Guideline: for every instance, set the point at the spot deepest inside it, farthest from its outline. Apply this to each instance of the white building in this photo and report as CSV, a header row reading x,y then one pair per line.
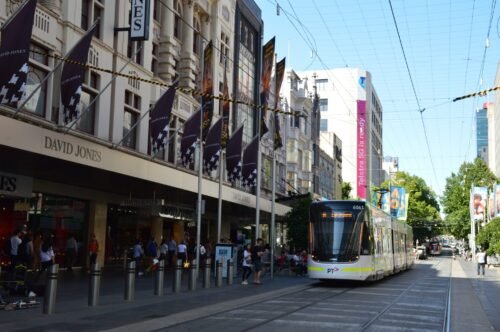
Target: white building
x,y
82,182
390,167
351,109
494,129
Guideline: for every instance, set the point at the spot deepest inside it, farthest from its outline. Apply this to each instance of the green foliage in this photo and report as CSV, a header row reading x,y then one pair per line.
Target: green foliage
x,y
489,237
346,190
456,196
297,221
423,207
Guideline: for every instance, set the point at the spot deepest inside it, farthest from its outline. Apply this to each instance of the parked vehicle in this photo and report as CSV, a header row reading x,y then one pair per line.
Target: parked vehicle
x,y
421,252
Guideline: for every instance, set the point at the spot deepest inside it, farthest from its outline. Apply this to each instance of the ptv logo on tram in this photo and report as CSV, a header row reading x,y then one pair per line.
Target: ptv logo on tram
x,y
332,270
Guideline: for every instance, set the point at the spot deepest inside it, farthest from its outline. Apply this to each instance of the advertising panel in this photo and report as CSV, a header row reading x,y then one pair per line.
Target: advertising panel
x,y
478,199
361,150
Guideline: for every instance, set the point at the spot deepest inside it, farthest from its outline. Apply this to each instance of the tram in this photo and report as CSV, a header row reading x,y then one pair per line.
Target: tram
x,y
353,240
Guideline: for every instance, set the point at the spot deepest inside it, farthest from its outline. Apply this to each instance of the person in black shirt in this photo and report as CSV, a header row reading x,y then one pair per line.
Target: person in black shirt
x,y
257,253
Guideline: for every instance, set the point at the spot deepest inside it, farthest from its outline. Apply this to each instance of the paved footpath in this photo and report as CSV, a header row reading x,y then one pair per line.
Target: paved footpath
x,y
475,300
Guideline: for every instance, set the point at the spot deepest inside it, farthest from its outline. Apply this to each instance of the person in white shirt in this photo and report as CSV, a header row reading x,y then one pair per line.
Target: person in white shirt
x,y
181,252
481,262
247,264
15,241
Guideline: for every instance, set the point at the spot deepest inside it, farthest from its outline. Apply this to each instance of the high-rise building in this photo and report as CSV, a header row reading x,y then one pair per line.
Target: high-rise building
x,y
390,167
482,133
351,109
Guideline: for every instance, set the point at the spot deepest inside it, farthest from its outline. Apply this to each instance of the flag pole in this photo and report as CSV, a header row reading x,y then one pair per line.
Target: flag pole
x,y
259,121
92,102
221,165
200,174
49,74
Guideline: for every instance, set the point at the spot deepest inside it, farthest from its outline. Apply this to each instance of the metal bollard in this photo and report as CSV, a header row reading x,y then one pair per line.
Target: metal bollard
x,y
49,301
218,274
230,272
160,278
130,281
176,285
192,276
206,276
94,285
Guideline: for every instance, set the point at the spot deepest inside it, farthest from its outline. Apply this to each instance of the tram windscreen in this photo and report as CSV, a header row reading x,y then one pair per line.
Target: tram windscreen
x,y
336,230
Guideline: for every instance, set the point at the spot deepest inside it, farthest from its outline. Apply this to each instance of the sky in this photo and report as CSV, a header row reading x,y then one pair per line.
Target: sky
x,y
444,42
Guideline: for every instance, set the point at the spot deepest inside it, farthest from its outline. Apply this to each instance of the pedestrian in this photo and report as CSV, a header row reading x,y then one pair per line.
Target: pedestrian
x,y
37,248
46,256
25,250
93,249
481,262
172,248
247,264
181,252
71,252
15,242
257,253
138,252
163,250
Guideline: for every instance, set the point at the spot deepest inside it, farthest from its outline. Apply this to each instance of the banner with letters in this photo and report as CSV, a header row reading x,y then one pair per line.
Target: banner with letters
x,y
398,201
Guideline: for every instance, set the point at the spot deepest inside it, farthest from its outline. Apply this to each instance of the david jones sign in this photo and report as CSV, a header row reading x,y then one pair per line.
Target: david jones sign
x,y
69,148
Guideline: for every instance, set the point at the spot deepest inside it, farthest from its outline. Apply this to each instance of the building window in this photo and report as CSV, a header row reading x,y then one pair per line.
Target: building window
x,y
197,38
91,11
130,117
176,69
133,51
224,47
321,84
177,19
157,10
38,69
154,59
323,105
323,126
90,90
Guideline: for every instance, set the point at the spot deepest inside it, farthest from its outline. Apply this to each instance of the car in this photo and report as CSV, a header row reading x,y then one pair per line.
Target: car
x,y
421,252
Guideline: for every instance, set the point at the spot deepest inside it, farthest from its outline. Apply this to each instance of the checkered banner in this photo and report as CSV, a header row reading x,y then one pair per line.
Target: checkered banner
x,y
249,170
212,150
233,156
189,136
14,53
72,76
160,120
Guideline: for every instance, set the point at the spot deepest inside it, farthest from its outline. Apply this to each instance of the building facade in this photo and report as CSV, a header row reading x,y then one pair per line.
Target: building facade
x,y
351,109
99,177
390,167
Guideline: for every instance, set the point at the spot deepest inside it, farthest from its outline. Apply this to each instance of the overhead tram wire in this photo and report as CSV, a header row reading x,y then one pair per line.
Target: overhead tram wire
x,y
416,97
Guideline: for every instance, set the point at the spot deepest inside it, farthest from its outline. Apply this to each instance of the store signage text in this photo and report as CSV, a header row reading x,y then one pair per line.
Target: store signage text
x,y
68,148
8,183
15,185
139,28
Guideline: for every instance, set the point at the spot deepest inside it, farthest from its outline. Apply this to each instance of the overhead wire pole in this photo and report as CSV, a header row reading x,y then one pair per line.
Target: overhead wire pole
x,y
221,173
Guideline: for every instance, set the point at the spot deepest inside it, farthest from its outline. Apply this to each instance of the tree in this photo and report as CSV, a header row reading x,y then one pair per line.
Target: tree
x,y
423,207
346,190
489,237
456,196
297,221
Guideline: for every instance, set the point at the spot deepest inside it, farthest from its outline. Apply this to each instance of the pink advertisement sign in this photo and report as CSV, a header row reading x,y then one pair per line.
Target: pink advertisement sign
x,y
361,150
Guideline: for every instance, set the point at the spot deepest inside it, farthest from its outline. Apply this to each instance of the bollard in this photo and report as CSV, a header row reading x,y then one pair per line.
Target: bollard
x,y
230,272
176,285
218,274
206,276
94,285
130,281
49,301
160,278
192,276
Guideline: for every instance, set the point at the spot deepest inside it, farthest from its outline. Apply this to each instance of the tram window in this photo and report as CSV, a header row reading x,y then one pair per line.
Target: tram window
x,y
365,240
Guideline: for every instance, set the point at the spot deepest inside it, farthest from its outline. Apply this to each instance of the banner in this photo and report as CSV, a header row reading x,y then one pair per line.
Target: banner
x,y
226,108
212,149
188,140
72,76
233,155
280,73
497,200
159,122
14,53
381,200
361,173
397,203
491,204
403,209
249,169
478,202
267,68
207,89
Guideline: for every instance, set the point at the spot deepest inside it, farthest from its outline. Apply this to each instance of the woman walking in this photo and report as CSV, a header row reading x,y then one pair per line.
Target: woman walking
x,y
247,264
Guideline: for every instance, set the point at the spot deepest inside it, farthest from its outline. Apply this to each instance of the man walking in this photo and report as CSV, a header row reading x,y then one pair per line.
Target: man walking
x,y
481,262
257,253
